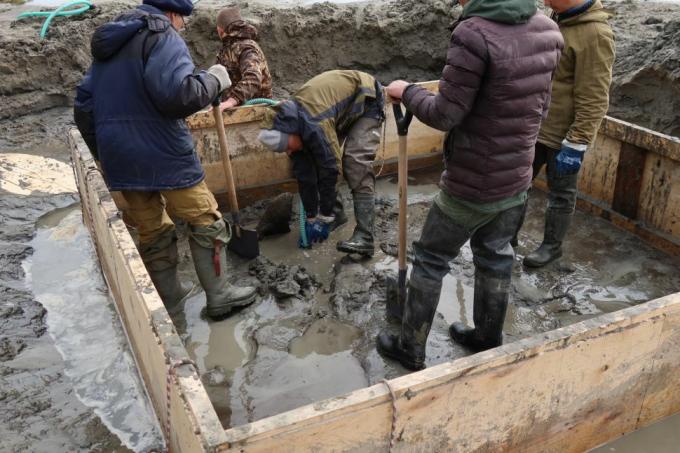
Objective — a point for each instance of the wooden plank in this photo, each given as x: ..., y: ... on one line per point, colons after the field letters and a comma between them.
x: 661, y: 144
x: 568, y: 390
x: 598, y: 173
x: 660, y: 194
x: 629, y: 180
x: 155, y: 344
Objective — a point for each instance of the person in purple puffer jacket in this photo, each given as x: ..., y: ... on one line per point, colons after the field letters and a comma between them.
x: 493, y: 94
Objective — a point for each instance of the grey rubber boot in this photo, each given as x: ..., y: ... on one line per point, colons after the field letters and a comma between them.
x: 160, y: 258
x: 556, y: 226
x: 490, y: 306
x: 409, y: 347
x: 211, y: 267
x: 171, y: 290
x: 361, y: 241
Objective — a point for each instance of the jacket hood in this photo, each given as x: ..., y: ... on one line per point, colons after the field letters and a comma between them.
x: 596, y: 13
x: 240, y: 30
x: 505, y: 11
x: 109, y: 38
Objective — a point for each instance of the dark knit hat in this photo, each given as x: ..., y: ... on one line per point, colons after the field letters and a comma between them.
x: 181, y: 7
x: 227, y: 16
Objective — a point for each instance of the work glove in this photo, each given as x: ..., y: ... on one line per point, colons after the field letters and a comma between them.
x: 569, y: 158
x: 317, y: 229
x: 222, y: 76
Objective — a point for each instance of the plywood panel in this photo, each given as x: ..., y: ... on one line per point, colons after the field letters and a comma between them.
x: 598, y: 173
x: 660, y: 196
x: 568, y: 390
x: 194, y: 423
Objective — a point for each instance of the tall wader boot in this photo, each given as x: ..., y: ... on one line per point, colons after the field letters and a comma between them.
x: 339, y: 213
x: 160, y: 258
x: 361, y: 241
x: 561, y: 205
x: 490, y: 306
x: 208, y: 248
x: 418, y: 314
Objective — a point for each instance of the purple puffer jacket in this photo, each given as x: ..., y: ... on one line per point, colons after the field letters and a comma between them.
x: 494, y: 92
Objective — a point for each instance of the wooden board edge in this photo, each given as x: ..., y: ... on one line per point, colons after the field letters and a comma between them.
x: 652, y: 141
x: 350, y: 405
x: 151, y: 334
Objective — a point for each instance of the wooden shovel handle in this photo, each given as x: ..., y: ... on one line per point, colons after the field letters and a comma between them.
x: 226, y: 163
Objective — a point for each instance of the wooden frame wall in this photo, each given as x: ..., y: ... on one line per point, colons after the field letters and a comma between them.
x: 155, y: 343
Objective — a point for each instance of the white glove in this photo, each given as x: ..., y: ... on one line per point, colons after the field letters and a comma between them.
x: 325, y: 219
x: 222, y: 76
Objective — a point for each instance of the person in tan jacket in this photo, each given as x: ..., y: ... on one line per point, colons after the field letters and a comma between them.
x: 579, y: 102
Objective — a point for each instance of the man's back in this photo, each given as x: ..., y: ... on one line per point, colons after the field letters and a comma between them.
x: 494, y: 92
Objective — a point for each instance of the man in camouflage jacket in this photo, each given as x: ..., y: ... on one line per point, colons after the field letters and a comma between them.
x: 243, y: 58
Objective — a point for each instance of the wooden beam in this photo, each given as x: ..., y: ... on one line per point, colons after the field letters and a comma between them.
x: 194, y: 425
x: 568, y: 390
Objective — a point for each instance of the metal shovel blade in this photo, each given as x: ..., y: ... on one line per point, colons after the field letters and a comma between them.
x: 245, y: 243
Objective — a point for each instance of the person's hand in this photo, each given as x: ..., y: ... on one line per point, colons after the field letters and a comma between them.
x: 228, y: 104
x: 570, y: 158
x: 395, y: 90
x: 222, y: 76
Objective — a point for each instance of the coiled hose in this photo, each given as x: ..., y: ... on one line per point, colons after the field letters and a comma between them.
x: 62, y: 11
x: 261, y: 101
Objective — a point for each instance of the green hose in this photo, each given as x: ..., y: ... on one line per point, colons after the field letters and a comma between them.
x: 304, y: 242
x: 260, y: 101
x: 62, y: 11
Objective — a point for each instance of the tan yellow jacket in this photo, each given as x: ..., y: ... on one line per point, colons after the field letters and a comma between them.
x: 580, y: 91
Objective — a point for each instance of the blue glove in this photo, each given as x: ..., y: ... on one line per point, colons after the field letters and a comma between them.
x: 569, y: 158
x: 317, y: 231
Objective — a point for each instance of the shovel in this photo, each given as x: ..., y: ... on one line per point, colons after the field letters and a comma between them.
x: 396, y: 290
x: 243, y: 242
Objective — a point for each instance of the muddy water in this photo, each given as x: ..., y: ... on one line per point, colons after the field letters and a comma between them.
x: 64, y: 275
x: 661, y: 437
x: 294, y: 347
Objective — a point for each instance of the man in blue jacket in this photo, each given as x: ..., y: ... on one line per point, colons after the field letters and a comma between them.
x: 130, y: 108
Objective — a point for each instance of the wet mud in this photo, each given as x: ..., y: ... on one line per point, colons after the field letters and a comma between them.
x: 67, y: 379
x: 311, y: 334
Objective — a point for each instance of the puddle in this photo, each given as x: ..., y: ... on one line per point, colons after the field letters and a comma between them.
x: 65, y: 277
x: 325, y: 337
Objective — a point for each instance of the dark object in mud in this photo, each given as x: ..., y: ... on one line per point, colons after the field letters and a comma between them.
x: 277, y: 216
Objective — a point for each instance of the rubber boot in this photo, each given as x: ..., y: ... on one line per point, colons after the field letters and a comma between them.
x: 490, y: 306
x: 171, y: 290
x: 409, y: 347
x: 211, y: 267
x: 556, y: 226
x: 160, y: 259
x: 361, y: 241
x: 339, y: 213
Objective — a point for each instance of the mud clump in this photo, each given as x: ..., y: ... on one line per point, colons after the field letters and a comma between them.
x: 282, y: 280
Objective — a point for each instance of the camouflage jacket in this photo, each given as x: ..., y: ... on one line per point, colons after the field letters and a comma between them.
x: 246, y: 63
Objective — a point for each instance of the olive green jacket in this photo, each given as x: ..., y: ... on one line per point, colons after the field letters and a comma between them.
x: 580, y: 91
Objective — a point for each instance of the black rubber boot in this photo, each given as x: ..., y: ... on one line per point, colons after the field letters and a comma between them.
x: 211, y: 267
x: 160, y: 258
x: 339, y: 213
x: 409, y: 347
x: 490, y: 306
x: 361, y: 241
x: 556, y: 226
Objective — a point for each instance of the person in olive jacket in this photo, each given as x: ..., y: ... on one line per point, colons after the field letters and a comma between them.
x: 580, y: 99
x: 493, y: 94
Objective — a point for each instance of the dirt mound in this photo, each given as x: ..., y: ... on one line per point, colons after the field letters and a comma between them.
x: 646, y: 85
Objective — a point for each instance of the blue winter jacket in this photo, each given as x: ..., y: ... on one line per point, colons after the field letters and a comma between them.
x: 137, y: 93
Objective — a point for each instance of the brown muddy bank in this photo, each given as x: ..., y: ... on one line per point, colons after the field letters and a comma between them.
x: 392, y: 39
